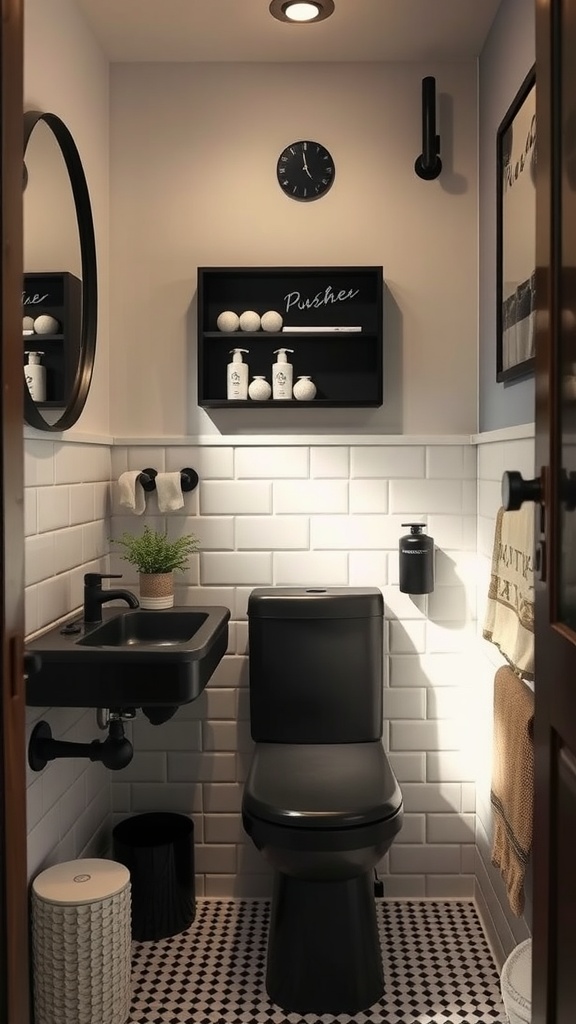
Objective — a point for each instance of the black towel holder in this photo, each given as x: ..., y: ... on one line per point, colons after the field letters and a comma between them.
x: 188, y: 477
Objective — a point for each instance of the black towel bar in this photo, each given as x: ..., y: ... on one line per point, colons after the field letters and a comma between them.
x: 188, y: 477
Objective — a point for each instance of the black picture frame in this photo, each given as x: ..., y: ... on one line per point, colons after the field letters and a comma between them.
x: 516, y: 235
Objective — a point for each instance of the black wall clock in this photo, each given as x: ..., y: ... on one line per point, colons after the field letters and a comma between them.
x: 305, y: 171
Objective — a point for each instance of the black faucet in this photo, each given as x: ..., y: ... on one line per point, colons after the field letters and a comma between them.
x: 95, y: 597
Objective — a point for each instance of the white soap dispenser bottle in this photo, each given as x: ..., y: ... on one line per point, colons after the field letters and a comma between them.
x: 35, y: 375
x: 282, y: 375
x: 237, y: 382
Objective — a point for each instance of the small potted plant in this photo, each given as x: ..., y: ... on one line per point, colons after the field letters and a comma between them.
x: 156, y: 559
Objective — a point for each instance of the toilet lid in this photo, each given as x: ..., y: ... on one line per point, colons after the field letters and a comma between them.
x: 516, y: 980
x: 325, y: 785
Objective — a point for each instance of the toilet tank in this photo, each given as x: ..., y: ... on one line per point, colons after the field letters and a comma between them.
x: 316, y: 664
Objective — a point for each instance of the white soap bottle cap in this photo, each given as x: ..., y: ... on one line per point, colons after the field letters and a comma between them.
x: 281, y: 353
x: 34, y: 357
x: 236, y: 354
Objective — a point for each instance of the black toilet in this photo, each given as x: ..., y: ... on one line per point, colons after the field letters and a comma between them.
x: 321, y: 801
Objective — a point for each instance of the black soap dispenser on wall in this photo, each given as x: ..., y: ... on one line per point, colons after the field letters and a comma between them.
x: 416, y: 553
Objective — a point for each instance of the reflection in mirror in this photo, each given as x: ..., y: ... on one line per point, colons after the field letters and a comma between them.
x: 51, y: 240
x: 60, y: 287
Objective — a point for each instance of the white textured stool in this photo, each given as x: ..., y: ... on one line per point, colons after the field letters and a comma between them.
x: 81, y: 943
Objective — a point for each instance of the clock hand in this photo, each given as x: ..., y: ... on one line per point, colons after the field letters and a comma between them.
x: 305, y: 166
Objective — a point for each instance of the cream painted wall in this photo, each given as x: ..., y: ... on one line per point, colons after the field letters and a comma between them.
x: 66, y: 72
x: 193, y: 183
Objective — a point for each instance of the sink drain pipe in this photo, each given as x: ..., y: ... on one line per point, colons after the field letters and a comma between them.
x: 114, y: 752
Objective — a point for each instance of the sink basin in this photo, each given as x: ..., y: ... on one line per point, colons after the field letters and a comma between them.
x: 133, y: 658
x: 149, y: 628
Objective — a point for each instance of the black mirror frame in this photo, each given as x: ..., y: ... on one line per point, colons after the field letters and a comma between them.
x: 525, y: 368
x: 89, y: 322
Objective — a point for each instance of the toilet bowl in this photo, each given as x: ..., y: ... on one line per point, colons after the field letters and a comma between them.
x: 321, y: 801
x: 516, y: 984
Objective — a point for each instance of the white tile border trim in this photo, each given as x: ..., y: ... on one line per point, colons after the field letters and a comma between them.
x: 261, y: 440
x: 268, y: 440
x: 504, y: 434
x: 58, y: 436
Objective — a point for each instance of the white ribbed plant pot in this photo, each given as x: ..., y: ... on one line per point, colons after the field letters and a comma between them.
x: 156, y: 590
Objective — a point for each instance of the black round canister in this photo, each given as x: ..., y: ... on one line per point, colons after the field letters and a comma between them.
x: 416, y: 553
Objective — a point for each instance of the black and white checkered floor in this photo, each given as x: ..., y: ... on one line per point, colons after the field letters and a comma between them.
x: 438, y: 968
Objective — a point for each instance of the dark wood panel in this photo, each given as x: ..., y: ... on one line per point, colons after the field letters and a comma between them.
x: 554, y: 992
x: 13, y: 895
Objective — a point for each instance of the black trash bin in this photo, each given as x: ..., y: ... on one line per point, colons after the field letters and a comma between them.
x: 158, y: 850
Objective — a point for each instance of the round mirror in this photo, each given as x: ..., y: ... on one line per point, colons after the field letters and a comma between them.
x: 60, y: 293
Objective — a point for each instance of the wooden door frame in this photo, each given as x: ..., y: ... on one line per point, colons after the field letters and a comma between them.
x: 554, y: 725
x: 14, y: 972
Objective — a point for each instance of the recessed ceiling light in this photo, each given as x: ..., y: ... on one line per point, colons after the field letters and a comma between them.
x: 301, y: 11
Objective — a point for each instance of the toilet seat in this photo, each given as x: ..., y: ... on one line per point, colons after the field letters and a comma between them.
x: 321, y: 786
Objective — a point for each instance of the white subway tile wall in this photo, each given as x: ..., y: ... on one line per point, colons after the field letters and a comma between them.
x: 318, y: 514
x: 504, y: 929
x: 67, y: 507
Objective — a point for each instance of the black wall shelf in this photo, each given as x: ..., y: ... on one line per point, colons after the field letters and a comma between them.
x: 346, y: 366
x: 58, y: 294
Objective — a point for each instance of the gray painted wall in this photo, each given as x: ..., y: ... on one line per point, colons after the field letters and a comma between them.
x: 507, y: 57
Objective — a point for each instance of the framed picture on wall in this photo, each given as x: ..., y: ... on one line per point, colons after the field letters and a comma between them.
x: 516, y: 235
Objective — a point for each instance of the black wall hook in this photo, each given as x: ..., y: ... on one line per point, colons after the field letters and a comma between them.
x: 188, y: 477
x: 428, y: 165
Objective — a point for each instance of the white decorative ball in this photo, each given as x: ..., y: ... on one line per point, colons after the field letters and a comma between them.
x: 46, y: 324
x: 28, y: 323
x: 249, y: 321
x: 228, y: 321
x: 304, y: 389
x: 259, y: 389
x: 271, y: 321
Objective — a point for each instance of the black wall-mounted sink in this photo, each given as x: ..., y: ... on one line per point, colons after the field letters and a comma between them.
x: 133, y: 658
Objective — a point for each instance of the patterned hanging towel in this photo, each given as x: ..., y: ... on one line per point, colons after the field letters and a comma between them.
x: 512, y: 792
x: 509, y: 621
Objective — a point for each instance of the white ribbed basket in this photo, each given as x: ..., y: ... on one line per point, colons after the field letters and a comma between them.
x: 516, y: 984
x: 81, y: 938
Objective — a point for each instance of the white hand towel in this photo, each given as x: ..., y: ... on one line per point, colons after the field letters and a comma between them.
x: 509, y: 621
x: 131, y: 493
x: 169, y: 491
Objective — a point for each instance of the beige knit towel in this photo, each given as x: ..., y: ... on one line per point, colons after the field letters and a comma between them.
x: 512, y: 793
x: 509, y: 621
